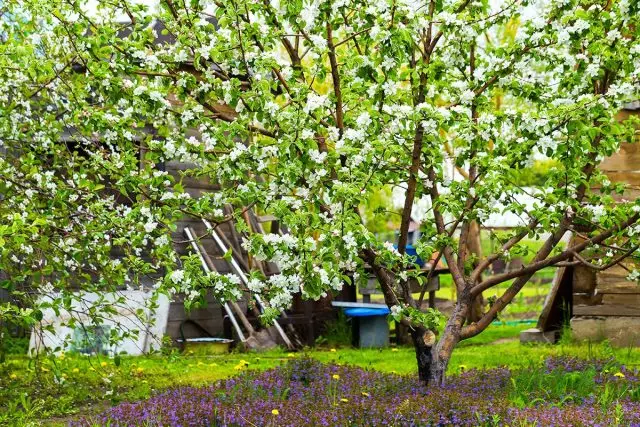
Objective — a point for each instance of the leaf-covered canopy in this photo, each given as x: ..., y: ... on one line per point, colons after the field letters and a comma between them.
x: 303, y: 110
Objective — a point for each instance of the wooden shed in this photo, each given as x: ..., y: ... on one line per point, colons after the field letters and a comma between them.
x: 598, y: 304
x: 606, y: 305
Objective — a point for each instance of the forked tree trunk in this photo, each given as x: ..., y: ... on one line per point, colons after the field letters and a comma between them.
x: 433, y: 357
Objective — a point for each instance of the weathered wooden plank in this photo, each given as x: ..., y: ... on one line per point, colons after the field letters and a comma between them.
x: 213, y: 326
x: 620, y: 331
x: 175, y: 165
x: 584, y: 279
x: 631, y: 178
x: 630, y: 193
x: 587, y: 299
x: 618, y: 276
x: 560, y: 293
x: 624, y: 114
x: 627, y: 159
x: 618, y: 287
x: 622, y: 269
x: 212, y: 311
x: 629, y: 300
x: 610, y: 279
x: 266, y: 218
x: 621, y: 162
x: 605, y: 310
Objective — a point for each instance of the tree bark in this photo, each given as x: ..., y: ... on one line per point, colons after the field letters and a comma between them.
x: 424, y: 342
x: 438, y: 369
x: 474, y: 246
x: 442, y: 350
x: 432, y: 358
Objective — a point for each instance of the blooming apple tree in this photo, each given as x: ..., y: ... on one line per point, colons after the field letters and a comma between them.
x: 303, y: 109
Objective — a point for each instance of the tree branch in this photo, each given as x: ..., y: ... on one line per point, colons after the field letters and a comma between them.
x: 335, y: 76
x: 615, y: 261
x: 526, y: 273
x: 540, y: 264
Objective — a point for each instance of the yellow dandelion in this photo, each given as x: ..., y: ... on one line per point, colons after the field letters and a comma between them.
x: 275, y: 412
x: 61, y: 356
x: 139, y: 370
x: 213, y: 364
x: 13, y: 376
x: 333, y: 350
x: 344, y: 400
x: 619, y: 375
x: 394, y: 349
x: 291, y: 355
x: 365, y: 394
x: 336, y: 377
x: 75, y: 370
x: 103, y: 364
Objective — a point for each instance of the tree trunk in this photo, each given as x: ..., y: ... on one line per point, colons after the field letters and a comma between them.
x: 432, y: 358
x: 441, y: 351
x: 424, y: 342
x: 477, y: 309
x: 440, y: 358
x: 474, y: 246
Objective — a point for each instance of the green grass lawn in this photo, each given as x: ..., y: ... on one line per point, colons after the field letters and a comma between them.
x: 55, y: 389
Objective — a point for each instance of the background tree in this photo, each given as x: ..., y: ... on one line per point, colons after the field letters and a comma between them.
x: 302, y: 109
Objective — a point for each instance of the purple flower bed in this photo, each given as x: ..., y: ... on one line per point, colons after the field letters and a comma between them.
x: 307, y: 393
